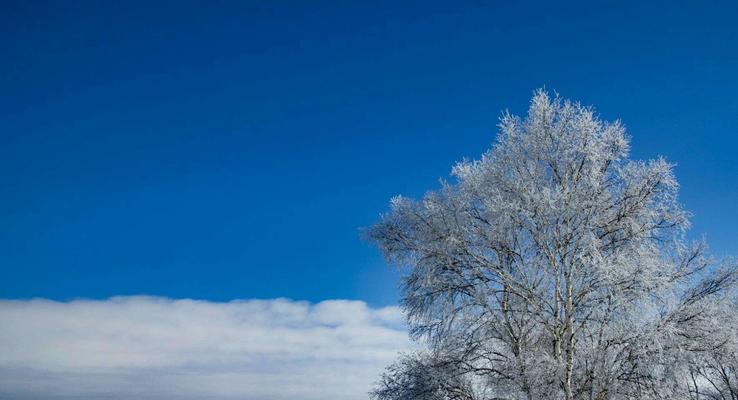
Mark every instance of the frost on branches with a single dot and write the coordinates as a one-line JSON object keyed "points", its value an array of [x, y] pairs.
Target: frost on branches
{"points": [[556, 268]]}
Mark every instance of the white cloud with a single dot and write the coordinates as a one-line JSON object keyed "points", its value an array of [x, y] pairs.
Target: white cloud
{"points": [[158, 348]]}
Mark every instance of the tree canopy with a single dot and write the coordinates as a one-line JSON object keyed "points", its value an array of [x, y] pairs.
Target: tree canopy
{"points": [[555, 267]]}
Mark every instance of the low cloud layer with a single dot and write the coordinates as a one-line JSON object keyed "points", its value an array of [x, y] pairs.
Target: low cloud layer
{"points": [[158, 348]]}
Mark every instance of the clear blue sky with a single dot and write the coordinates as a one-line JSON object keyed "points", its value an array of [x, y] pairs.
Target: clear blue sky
{"points": [[223, 150]]}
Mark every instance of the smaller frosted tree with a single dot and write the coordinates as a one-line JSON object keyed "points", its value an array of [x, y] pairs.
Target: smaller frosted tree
{"points": [[556, 268]]}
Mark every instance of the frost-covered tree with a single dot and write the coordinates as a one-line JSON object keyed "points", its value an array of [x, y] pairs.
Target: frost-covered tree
{"points": [[425, 377], [556, 268]]}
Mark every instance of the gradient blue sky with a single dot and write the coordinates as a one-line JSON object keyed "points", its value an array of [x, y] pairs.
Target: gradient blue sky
{"points": [[221, 150]]}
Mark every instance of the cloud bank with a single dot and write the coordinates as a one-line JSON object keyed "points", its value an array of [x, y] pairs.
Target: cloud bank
{"points": [[159, 348]]}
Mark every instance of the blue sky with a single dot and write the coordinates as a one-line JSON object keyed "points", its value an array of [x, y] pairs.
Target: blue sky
{"points": [[222, 150]]}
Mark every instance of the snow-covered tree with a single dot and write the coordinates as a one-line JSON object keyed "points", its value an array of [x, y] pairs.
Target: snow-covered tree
{"points": [[556, 268]]}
